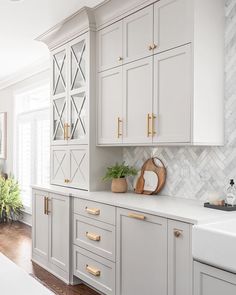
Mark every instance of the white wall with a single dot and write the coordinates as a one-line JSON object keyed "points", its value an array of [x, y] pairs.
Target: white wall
{"points": [[7, 105]]}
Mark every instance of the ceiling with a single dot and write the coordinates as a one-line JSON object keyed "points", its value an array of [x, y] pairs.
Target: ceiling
{"points": [[21, 22]]}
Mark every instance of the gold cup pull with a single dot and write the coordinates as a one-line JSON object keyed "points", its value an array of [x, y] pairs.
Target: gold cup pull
{"points": [[119, 122], [93, 271], [149, 132], [93, 237], [137, 216], [93, 211], [153, 125], [178, 233]]}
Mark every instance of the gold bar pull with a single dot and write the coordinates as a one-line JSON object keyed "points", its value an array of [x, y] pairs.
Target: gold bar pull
{"points": [[45, 205], [93, 211], [137, 216], [148, 125], [93, 237], [93, 271], [153, 125], [65, 128], [178, 233], [119, 133]]}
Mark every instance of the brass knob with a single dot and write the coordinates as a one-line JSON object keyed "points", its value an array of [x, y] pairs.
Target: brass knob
{"points": [[150, 47], [120, 58], [154, 46], [177, 233], [67, 180]]}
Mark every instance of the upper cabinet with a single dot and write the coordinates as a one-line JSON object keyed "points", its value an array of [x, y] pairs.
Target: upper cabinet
{"points": [[164, 73], [69, 93], [110, 43]]}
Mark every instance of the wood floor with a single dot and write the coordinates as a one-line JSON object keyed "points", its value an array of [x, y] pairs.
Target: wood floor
{"points": [[15, 243]]}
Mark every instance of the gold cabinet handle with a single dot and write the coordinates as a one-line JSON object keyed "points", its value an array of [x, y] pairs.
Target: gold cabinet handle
{"points": [[148, 125], [153, 125], [178, 233], [150, 47], [93, 271], [66, 131], [119, 133], [93, 237], [154, 46], [137, 216], [45, 205], [120, 58], [93, 211], [67, 181]]}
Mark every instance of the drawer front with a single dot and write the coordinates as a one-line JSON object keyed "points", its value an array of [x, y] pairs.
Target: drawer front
{"points": [[94, 236], [94, 210], [94, 270]]}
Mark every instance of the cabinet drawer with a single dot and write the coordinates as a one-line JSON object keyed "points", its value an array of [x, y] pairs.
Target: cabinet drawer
{"points": [[94, 210], [94, 270], [94, 236]]}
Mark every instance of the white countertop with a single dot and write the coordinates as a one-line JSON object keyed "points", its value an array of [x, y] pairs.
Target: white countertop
{"points": [[185, 210]]}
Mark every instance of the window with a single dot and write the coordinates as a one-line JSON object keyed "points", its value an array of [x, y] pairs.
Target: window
{"points": [[32, 149]]}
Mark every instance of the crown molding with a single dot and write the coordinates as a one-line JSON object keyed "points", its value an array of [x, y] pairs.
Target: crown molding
{"points": [[68, 29], [36, 68]]}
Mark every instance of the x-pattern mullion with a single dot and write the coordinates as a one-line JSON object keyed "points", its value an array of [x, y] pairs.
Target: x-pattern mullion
{"points": [[78, 115], [59, 116], [60, 75], [78, 166], [78, 62], [60, 164]]}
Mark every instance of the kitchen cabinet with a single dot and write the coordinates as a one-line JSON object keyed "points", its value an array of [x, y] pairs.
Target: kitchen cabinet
{"points": [[51, 232], [173, 24], [69, 166], [138, 35], [137, 106], [40, 227], [172, 96], [175, 34], [69, 93], [179, 258], [141, 253], [109, 40], [210, 280], [110, 127]]}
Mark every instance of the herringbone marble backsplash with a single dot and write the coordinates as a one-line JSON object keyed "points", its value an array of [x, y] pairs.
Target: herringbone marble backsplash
{"points": [[195, 171]]}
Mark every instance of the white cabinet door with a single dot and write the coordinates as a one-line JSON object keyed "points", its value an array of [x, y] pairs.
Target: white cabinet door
{"points": [[59, 95], [141, 254], [59, 165], [137, 106], [110, 107], [213, 281], [78, 165], [40, 225], [138, 34], [78, 95], [172, 96], [179, 258], [110, 46], [173, 24], [59, 231]]}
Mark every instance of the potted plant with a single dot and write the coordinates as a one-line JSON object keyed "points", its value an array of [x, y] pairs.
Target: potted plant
{"points": [[10, 201], [118, 174]]}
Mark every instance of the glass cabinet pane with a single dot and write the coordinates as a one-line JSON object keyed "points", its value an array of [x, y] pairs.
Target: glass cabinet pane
{"points": [[77, 61], [59, 72], [78, 114], [59, 118]]}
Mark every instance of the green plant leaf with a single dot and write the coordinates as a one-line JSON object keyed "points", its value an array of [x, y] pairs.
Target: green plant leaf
{"points": [[119, 171]]}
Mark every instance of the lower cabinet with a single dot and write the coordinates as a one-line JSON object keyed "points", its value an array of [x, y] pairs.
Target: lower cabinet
{"points": [[179, 258], [51, 232], [209, 280], [141, 254]]}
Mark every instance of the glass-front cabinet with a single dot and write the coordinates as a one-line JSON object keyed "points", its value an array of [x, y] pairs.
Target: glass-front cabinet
{"points": [[69, 93]]}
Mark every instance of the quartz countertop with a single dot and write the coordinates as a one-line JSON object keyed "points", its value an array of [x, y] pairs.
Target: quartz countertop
{"points": [[182, 209]]}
